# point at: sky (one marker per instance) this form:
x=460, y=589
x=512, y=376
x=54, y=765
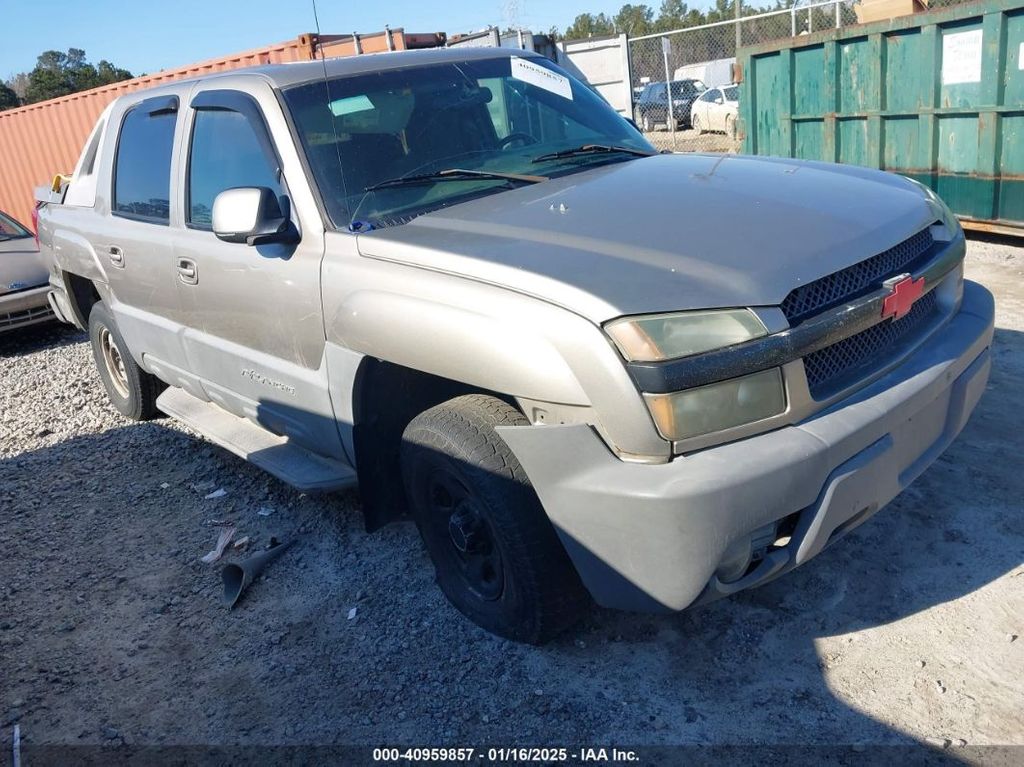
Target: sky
x=146, y=36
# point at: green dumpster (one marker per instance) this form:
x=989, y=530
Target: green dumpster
x=936, y=96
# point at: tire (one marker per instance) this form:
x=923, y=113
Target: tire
x=695, y=122
x=496, y=555
x=131, y=390
x=730, y=127
x=645, y=124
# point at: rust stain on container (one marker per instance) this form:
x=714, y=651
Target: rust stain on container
x=40, y=140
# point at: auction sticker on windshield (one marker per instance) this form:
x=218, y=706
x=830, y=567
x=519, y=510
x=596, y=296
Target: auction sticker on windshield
x=533, y=74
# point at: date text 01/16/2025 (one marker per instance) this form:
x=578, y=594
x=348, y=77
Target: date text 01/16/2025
x=504, y=754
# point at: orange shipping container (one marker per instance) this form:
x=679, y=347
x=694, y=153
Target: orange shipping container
x=40, y=140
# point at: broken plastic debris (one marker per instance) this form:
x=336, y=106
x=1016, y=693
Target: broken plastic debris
x=218, y=493
x=202, y=487
x=237, y=577
x=241, y=542
x=352, y=613
x=265, y=511
x=164, y=485
x=222, y=543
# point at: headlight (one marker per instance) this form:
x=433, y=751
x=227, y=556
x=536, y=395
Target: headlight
x=718, y=406
x=658, y=337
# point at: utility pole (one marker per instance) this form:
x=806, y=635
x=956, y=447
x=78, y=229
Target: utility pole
x=739, y=36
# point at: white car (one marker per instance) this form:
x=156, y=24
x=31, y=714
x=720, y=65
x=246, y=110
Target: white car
x=716, y=110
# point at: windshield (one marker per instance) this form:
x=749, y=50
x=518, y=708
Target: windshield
x=10, y=229
x=495, y=116
x=686, y=88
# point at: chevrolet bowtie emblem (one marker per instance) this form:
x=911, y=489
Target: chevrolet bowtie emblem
x=905, y=291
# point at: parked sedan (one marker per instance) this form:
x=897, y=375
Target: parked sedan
x=24, y=281
x=715, y=110
x=652, y=109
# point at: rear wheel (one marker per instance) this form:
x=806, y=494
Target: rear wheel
x=496, y=555
x=131, y=389
x=646, y=124
x=730, y=126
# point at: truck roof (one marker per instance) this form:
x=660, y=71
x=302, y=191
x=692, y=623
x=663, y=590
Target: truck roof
x=300, y=72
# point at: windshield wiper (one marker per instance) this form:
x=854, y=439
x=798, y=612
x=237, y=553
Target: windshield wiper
x=593, y=149
x=455, y=174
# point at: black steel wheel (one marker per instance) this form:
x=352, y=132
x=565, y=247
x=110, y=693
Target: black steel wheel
x=496, y=556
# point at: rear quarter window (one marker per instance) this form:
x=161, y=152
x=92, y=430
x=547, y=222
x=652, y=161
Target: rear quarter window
x=142, y=168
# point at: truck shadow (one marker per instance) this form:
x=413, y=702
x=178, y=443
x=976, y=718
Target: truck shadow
x=103, y=535
x=35, y=338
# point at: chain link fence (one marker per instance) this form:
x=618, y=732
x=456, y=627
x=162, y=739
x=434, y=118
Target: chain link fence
x=701, y=113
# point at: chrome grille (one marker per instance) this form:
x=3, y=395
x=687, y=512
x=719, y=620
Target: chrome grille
x=848, y=283
x=827, y=368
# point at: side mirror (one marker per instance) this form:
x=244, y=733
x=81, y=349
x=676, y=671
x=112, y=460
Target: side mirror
x=253, y=215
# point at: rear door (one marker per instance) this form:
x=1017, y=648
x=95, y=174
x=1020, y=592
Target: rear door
x=257, y=336
x=131, y=234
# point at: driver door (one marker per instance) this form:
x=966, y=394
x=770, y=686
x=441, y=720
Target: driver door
x=257, y=338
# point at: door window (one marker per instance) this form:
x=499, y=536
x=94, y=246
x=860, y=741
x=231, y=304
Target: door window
x=226, y=152
x=142, y=170
x=9, y=228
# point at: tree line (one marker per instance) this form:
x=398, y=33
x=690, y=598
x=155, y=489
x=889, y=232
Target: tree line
x=58, y=74
x=635, y=20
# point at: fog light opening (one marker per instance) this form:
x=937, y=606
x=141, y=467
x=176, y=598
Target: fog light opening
x=784, y=531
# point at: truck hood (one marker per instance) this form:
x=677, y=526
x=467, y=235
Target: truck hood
x=666, y=233
x=20, y=265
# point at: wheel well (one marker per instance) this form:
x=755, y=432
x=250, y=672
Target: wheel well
x=386, y=397
x=83, y=294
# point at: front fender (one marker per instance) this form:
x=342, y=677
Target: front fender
x=457, y=343
x=487, y=337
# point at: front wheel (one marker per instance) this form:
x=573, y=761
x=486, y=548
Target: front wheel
x=131, y=389
x=496, y=555
x=695, y=122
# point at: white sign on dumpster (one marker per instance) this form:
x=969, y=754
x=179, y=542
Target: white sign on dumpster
x=961, y=57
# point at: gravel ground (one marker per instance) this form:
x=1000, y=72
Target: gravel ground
x=111, y=629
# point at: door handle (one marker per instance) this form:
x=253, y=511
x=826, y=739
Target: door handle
x=187, y=271
x=116, y=256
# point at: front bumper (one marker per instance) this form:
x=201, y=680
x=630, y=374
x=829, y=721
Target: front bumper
x=26, y=307
x=661, y=537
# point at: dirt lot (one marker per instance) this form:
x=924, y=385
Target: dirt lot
x=111, y=629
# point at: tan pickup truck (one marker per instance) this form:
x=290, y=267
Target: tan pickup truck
x=589, y=371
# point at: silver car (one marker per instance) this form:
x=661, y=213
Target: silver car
x=24, y=280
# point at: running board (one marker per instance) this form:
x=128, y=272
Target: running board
x=276, y=455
